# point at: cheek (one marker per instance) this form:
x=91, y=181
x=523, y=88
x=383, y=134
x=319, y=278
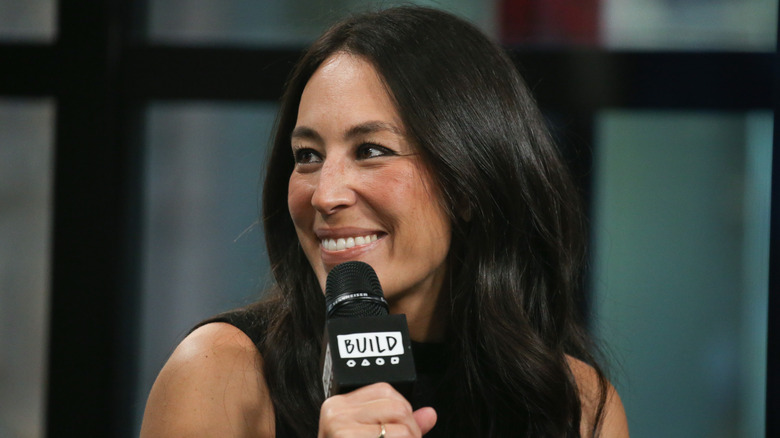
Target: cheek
x=425, y=203
x=395, y=187
x=299, y=200
x=299, y=193
x=434, y=228
x=433, y=222
x=419, y=212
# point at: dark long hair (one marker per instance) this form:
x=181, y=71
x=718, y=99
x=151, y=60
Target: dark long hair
x=518, y=237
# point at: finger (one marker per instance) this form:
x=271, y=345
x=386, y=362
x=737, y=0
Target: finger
x=395, y=430
x=352, y=401
x=341, y=426
x=373, y=392
x=342, y=411
x=425, y=418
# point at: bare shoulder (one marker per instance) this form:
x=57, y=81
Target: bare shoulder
x=212, y=385
x=614, y=422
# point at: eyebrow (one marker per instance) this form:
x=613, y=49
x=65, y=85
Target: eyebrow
x=305, y=132
x=371, y=127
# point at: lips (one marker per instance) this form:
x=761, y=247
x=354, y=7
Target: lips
x=342, y=243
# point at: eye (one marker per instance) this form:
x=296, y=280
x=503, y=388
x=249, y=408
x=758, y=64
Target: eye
x=371, y=150
x=306, y=156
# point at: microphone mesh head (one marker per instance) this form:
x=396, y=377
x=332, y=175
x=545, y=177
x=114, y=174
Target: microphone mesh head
x=353, y=290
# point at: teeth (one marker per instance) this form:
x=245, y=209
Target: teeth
x=346, y=243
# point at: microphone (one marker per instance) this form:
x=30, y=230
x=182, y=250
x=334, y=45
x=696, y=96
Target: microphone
x=363, y=343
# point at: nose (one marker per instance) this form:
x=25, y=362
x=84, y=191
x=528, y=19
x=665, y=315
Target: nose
x=334, y=190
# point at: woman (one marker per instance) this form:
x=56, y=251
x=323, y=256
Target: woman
x=407, y=140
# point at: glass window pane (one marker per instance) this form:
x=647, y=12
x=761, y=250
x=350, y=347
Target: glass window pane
x=33, y=20
x=274, y=23
x=26, y=136
x=203, y=248
x=681, y=267
x=745, y=25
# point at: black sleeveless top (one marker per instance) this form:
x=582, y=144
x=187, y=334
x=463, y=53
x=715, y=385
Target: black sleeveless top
x=430, y=361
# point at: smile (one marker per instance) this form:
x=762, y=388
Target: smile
x=347, y=242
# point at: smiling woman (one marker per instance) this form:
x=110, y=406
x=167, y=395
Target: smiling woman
x=407, y=140
x=356, y=174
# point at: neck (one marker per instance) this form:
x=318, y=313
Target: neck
x=427, y=318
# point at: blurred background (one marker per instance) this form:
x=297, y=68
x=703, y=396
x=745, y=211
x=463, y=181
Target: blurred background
x=133, y=136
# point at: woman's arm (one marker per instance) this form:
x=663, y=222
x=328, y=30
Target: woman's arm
x=212, y=385
x=613, y=423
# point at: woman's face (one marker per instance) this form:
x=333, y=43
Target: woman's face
x=359, y=190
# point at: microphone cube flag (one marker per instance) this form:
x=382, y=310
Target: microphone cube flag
x=362, y=351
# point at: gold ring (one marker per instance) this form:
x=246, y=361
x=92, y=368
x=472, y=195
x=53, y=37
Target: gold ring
x=381, y=432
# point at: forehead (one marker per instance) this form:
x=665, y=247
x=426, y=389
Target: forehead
x=345, y=69
x=346, y=89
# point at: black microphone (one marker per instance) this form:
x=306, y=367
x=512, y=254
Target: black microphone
x=363, y=343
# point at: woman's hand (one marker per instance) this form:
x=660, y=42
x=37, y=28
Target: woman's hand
x=363, y=412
